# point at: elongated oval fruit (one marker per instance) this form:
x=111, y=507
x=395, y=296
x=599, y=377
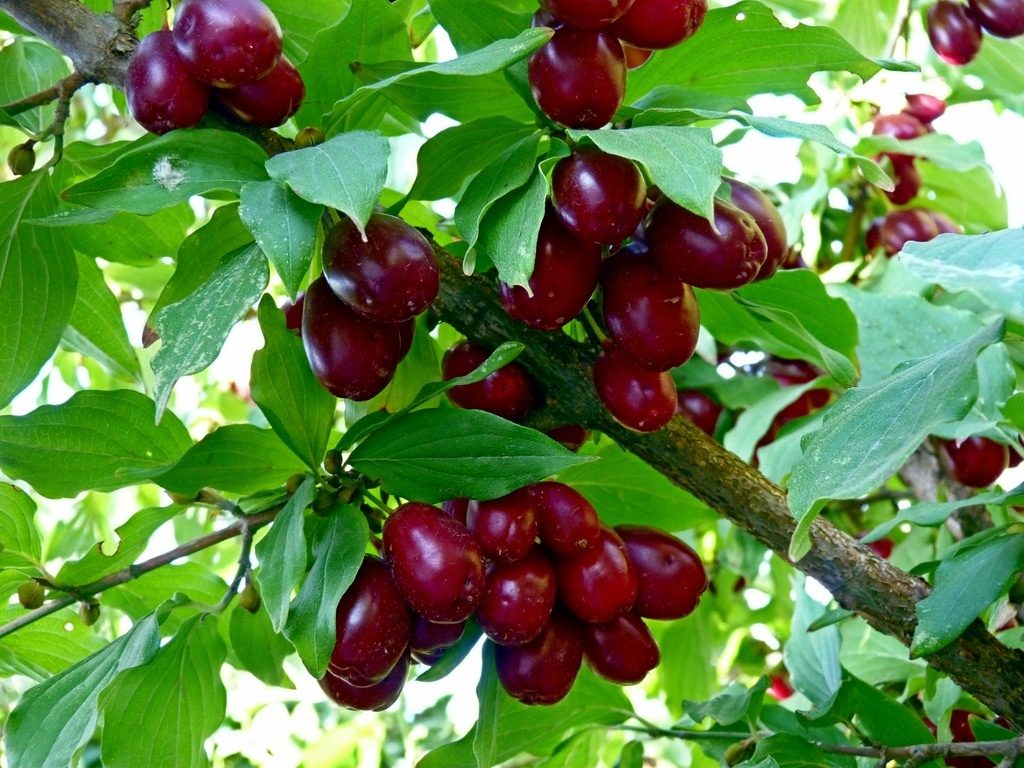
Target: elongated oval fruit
x=567, y=523
x=670, y=575
x=599, y=197
x=543, y=670
x=518, y=599
x=162, y=93
x=660, y=24
x=621, y=650
x=768, y=219
x=637, y=397
x=1002, y=18
x=586, y=14
x=508, y=392
x=371, y=698
x=269, y=101
x=506, y=527
x=227, y=43
x=598, y=584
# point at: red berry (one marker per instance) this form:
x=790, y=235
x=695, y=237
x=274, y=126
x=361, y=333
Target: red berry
x=518, y=599
x=600, y=583
x=435, y=562
x=351, y=356
x=660, y=23
x=227, y=43
x=901, y=126
x=977, y=462
x=505, y=528
x=293, y=313
x=579, y=78
x=373, y=626
x=622, y=650
x=543, y=670
x=650, y=316
x=269, y=101
x=882, y=548
x=508, y=392
x=572, y=436
x=1002, y=18
x=389, y=277
x=961, y=730
x=586, y=14
x=925, y=107
x=162, y=94
x=456, y=509
x=768, y=219
x=945, y=224
x=599, y=197
x=429, y=640
x=637, y=397
x=902, y=227
x=780, y=689
x=563, y=280
x=700, y=409
x=567, y=523
x=725, y=256
x=907, y=179
x=372, y=698
x=670, y=575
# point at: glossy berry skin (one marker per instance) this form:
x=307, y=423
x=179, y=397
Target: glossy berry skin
x=435, y=562
x=505, y=528
x=564, y=277
x=456, y=509
x=925, y=107
x=293, y=313
x=567, y=523
x=670, y=575
x=687, y=247
x=907, y=179
x=977, y=462
x=700, y=409
x=579, y=78
x=373, y=698
x=660, y=23
x=429, y=640
x=390, y=277
x=227, y=43
x=543, y=670
x=572, y=436
x=1002, y=18
x=586, y=14
x=902, y=227
x=600, y=583
x=599, y=197
x=901, y=126
x=954, y=32
x=961, y=730
x=508, y=392
x=638, y=398
x=622, y=650
x=945, y=224
x=162, y=94
x=650, y=316
x=768, y=219
x=351, y=356
x=373, y=626
x=269, y=101
x=518, y=599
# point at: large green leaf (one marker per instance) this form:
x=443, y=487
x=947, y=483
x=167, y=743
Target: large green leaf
x=28, y=66
x=258, y=648
x=284, y=226
x=147, y=593
x=48, y=646
x=473, y=26
x=973, y=199
x=282, y=555
x=509, y=230
x=37, y=282
x=20, y=543
x=127, y=238
x=159, y=715
x=95, y=441
x=301, y=22
x=444, y=453
x=867, y=24
x=812, y=658
x=940, y=148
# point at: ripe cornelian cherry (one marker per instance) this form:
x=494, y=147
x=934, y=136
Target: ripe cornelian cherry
x=622, y=650
x=269, y=101
x=227, y=43
x=599, y=197
x=518, y=599
x=567, y=523
x=372, y=698
x=670, y=575
x=637, y=397
x=586, y=14
x=660, y=23
x=162, y=93
x=543, y=670
x=505, y=527
x=600, y=583
x=508, y=392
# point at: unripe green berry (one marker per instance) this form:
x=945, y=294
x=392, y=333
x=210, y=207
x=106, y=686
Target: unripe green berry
x=249, y=598
x=22, y=159
x=309, y=136
x=31, y=595
x=89, y=613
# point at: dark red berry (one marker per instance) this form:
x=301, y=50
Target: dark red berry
x=505, y=528
x=508, y=392
x=600, y=583
x=579, y=78
x=670, y=575
x=700, y=409
x=882, y=548
x=372, y=698
x=269, y=101
x=456, y=509
x=599, y=197
x=977, y=462
x=293, y=313
x=563, y=280
x=227, y=43
x=925, y=107
x=725, y=256
x=162, y=94
x=902, y=227
x=390, y=276
x=518, y=599
x=780, y=689
x=660, y=23
x=429, y=640
x=953, y=32
x=373, y=626
x=907, y=179
x=945, y=224
x=637, y=397
x=768, y=219
x=586, y=14
x=351, y=356
x=543, y=670
x=567, y=523
x=435, y=562
x=1002, y=18
x=962, y=731
x=651, y=316
x=901, y=126
x=572, y=436
x=622, y=650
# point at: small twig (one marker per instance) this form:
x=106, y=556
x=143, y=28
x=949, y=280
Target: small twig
x=590, y=325
x=68, y=85
x=125, y=10
x=852, y=237
x=244, y=566
x=899, y=30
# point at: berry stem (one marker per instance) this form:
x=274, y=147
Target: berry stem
x=593, y=329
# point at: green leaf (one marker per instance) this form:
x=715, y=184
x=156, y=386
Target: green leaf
x=509, y=231
x=453, y=656
x=784, y=751
x=974, y=199
x=300, y=23
x=998, y=66
x=284, y=226
x=942, y=149
x=127, y=238
x=168, y=170
x=488, y=694
x=194, y=329
x=486, y=21
x=47, y=646
x=931, y=513
x=149, y=592
x=871, y=431
x=735, y=703
x=346, y=173
x=682, y=161
x=867, y=24
x=159, y=715
x=965, y=584
x=95, y=441
x=282, y=555
x=258, y=648
x=625, y=490
x=989, y=266
x=337, y=554
x=812, y=658
x=455, y=154
x=37, y=282
x=754, y=422
x=20, y=544
x=28, y=66
x=439, y=454
x=96, y=328
x=687, y=669
x=299, y=409
x=57, y=717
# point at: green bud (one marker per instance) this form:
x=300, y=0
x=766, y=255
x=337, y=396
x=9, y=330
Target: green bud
x=22, y=159
x=249, y=598
x=31, y=595
x=89, y=613
x=309, y=136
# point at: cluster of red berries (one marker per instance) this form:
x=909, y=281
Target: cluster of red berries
x=548, y=584
x=955, y=28
x=224, y=51
x=913, y=121
x=358, y=317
